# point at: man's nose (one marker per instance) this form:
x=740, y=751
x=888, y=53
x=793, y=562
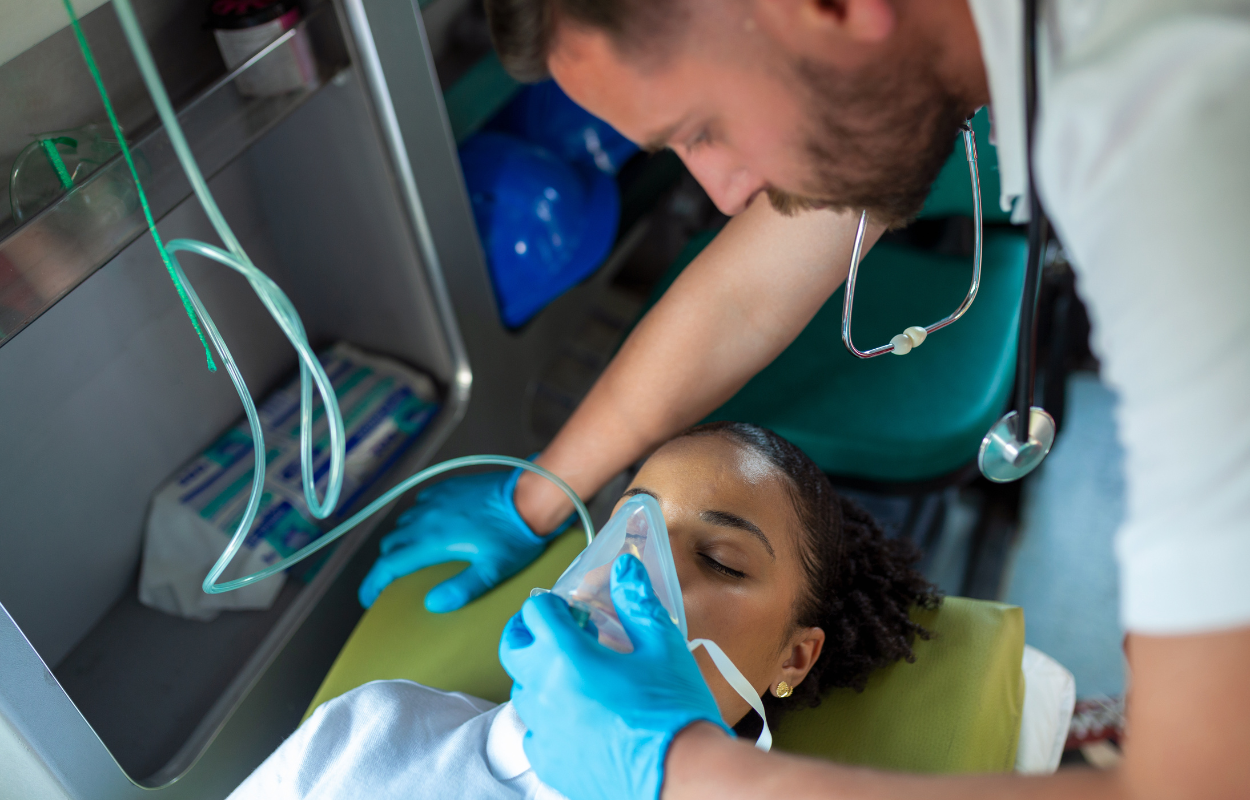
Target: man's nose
x=730, y=185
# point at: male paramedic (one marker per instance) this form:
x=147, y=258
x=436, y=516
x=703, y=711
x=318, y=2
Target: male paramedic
x=794, y=115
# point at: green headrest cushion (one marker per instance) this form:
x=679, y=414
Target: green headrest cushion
x=957, y=709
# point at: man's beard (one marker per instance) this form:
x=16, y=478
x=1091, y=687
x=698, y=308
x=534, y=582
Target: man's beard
x=876, y=139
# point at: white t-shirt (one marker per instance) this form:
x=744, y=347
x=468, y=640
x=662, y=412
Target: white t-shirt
x=1143, y=166
x=399, y=740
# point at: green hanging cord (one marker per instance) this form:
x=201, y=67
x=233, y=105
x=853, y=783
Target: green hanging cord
x=58, y=164
x=134, y=174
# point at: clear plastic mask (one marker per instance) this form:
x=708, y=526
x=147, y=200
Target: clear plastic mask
x=638, y=529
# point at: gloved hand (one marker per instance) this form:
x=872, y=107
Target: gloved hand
x=469, y=518
x=600, y=722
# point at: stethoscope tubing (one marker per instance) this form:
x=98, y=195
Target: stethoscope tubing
x=1026, y=340
x=1026, y=353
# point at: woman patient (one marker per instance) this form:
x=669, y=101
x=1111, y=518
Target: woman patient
x=797, y=585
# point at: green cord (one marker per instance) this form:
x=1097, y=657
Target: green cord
x=134, y=174
x=58, y=164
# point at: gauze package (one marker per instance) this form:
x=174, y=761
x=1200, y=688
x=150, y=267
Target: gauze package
x=638, y=529
x=385, y=406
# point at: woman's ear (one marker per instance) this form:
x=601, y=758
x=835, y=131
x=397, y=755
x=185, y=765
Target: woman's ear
x=799, y=657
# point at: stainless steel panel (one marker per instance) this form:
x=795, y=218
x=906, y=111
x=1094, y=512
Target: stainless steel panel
x=330, y=200
x=365, y=222
x=331, y=218
x=45, y=258
x=103, y=397
x=48, y=88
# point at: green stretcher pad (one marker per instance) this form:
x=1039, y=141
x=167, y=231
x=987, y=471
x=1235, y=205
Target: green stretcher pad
x=893, y=418
x=956, y=709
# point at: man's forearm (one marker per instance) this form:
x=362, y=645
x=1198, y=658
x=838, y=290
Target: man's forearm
x=729, y=314
x=1189, y=724
x=704, y=762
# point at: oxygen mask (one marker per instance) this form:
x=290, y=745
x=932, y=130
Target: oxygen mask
x=638, y=529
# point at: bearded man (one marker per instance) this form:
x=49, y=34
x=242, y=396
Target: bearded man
x=795, y=115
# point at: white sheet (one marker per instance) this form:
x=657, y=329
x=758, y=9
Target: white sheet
x=1049, y=697
x=399, y=739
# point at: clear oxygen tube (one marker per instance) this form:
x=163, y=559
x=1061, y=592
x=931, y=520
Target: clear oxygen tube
x=284, y=313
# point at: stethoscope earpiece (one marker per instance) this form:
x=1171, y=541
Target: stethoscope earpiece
x=914, y=336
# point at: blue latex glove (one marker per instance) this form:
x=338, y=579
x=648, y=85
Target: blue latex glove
x=469, y=518
x=600, y=722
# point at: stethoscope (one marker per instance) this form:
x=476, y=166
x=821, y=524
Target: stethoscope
x=1004, y=455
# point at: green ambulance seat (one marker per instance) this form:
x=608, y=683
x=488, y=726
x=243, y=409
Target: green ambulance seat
x=956, y=709
x=900, y=419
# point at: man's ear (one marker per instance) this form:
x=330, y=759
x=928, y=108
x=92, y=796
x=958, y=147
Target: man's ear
x=805, y=647
x=824, y=30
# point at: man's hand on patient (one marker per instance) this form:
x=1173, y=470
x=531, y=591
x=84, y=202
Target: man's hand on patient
x=470, y=518
x=594, y=732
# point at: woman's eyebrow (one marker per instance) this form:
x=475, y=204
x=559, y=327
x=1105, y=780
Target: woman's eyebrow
x=728, y=520
x=722, y=518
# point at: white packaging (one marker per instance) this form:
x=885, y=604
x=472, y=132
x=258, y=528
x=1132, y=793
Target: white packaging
x=385, y=406
x=288, y=68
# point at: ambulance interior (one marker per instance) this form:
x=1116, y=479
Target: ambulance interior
x=350, y=193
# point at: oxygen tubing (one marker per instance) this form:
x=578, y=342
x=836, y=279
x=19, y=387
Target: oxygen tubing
x=274, y=300
x=284, y=313
x=366, y=512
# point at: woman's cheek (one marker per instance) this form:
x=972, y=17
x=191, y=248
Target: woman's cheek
x=714, y=614
x=693, y=597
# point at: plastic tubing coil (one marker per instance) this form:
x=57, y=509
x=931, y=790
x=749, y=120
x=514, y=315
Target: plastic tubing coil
x=284, y=313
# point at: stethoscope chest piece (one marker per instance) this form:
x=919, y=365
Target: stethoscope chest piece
x=1004, y=458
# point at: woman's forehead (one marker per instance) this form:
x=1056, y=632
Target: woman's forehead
x=716, y=453
x=712, y=469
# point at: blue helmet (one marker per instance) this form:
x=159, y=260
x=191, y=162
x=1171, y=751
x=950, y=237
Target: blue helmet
x=545, y=225
x=543, y=114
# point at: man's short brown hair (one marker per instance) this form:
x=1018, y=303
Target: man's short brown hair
x=522, y=29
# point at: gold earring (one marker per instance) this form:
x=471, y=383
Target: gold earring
x=784, y=689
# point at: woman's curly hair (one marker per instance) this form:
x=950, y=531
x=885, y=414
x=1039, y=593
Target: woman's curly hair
x=861, y=586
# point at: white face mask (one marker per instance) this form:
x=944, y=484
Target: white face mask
x=639, y=529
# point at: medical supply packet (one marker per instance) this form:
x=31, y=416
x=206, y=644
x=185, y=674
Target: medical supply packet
x=385, y=406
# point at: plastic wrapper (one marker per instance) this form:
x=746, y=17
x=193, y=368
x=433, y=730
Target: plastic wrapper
x=385, y=406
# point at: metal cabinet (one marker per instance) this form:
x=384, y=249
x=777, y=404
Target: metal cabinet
x=350, y=196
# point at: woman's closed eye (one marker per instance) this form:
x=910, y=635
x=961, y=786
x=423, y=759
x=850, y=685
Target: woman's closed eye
x=721, y=568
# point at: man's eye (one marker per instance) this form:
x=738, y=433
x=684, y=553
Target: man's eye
x=721, y=568
x=702, y=138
